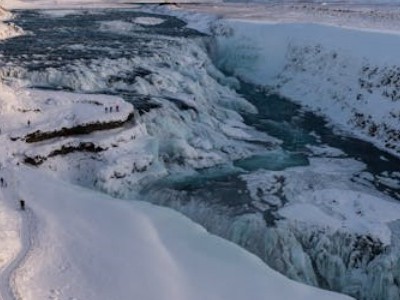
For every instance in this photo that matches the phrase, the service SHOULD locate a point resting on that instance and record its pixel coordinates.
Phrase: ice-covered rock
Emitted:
(194, 127)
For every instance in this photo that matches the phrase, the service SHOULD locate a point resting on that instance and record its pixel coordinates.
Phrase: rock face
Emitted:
(64, 150)
(39, 136)
(333, 71)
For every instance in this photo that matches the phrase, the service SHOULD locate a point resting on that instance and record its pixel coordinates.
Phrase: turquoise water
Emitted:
(287, 121)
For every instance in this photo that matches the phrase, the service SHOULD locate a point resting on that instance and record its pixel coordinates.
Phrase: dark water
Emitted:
(288, 122)
(50, 39)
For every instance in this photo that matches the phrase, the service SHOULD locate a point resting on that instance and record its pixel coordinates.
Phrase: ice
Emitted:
(119, 27)
(312, 223)
(328, 76)
(187, 111)
(325, 151)
(322, 203)
(319, 56)
(148, 21)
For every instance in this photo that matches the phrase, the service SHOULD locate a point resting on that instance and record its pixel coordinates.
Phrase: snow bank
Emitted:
(91, 246)
(148, 20)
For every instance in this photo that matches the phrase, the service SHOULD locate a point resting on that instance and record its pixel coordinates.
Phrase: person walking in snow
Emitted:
(110, 109)
(117, 108)
(29, 123)
(1, 181)
(22, 204)
(106, 109)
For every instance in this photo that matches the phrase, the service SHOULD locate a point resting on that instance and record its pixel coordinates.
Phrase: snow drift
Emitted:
(116, 249)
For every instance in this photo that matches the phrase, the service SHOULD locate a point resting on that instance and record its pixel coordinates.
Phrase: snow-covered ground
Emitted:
(330, 227)
(75, 243)
(88, 245)
(81, 244)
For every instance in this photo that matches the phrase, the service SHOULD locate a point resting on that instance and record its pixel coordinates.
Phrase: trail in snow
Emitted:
(8, 289)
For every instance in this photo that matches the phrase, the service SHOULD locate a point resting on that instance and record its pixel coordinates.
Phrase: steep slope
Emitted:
(335, 72)
(88, 245)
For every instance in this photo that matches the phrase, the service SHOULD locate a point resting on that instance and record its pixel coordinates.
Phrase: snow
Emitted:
(325, 151)
(8, 30)
(77, 4)
(328, 69)
(320, 209)
(320, 67)
(67, 110)
(319, 56)
(148, 21)
(119, 27)
(76, 243)
(322, 194)
(68, 259)
(81, 244)
(119, 249)
(9, 231)
(60, 4)
(186, 110)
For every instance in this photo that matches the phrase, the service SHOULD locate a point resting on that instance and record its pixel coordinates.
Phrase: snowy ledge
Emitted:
(71, 235)
(71, 114)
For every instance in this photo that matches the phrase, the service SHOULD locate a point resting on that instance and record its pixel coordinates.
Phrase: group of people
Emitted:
(110, 109)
